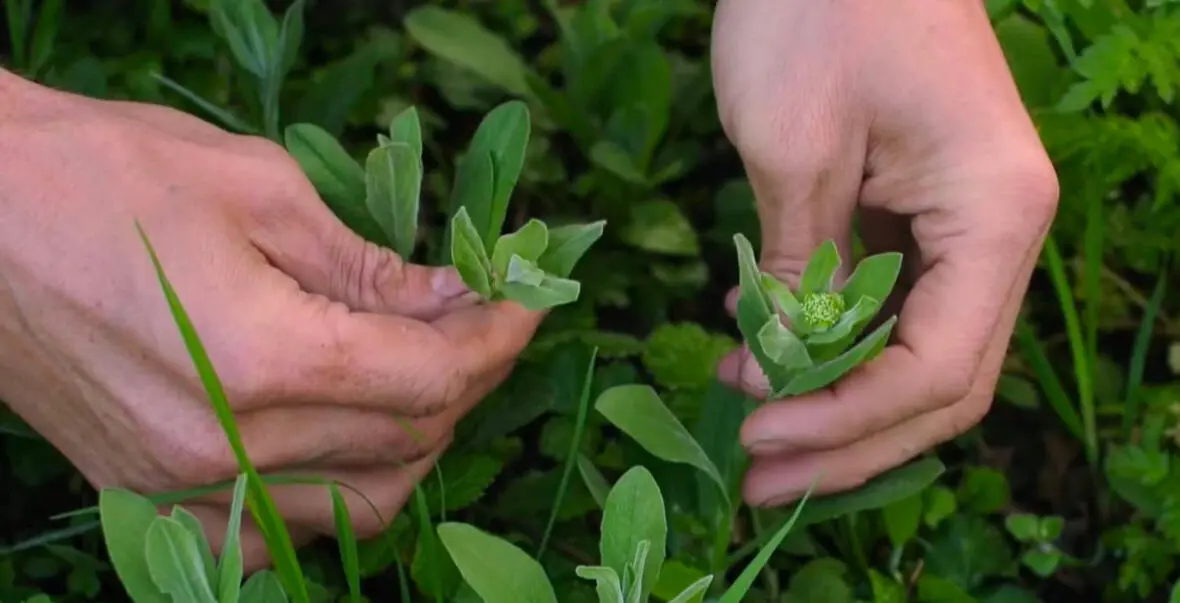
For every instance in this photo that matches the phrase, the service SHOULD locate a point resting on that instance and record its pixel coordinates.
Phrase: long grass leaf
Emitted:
(262, 506)
(575, 445)
(346, 538)
(1083, 370)
(1139, 351)
(737, 591)
(1034, 353)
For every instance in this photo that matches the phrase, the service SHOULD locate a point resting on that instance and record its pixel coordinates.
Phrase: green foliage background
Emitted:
(1069, 490)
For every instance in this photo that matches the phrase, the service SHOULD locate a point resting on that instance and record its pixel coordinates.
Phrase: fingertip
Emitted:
(731, 300)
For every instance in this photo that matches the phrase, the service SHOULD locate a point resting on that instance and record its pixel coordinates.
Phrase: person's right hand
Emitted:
(327, 346)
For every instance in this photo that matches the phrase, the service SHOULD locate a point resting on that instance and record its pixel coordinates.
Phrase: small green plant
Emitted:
(814, 351)
(1038, 533)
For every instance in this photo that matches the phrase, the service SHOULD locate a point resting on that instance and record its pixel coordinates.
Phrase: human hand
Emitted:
(327, 346)
(906, 113)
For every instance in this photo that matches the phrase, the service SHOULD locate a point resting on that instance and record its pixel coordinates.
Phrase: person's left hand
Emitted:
(905, 112)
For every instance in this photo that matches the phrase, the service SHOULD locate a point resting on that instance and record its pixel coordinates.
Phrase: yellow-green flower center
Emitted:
(822, 310)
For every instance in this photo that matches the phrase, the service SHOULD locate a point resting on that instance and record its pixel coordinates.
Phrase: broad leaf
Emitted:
(829, 372)
(473, 191)
(175, 564)
(393, 181)
(634, 513)
(873, 277)
(820, 270)
(660, 226)
(547, 292)
(504, 134)
(339, 179)
(463, 40)
(494, 568)
(469, 256)
(567, 244)
(529, 243)
(639, 412)
(126, 518)
(263, 587)
(249, 30)
(783, 347)
(194, 527)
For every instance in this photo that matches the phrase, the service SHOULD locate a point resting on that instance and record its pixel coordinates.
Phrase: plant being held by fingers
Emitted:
(380, 201)
(816, 349)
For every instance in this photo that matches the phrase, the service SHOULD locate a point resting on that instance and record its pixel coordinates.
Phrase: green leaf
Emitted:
(614, 159)
(461, 39)
(606, 582)
(230, 566)
(783, 347)
(660, 226)
(874, 277)
(393, 182)
(821, 269)
(567, 244)
(339, 179)
(504, 135)
(829, 372)
(1023, 526)
(174, 562)
(528, 286)
(331, 97)
(263, 587)
(634, 513)
(639, 412)
(126, 518)
(406, 128)
(496, 569)
(737, 591)
(984, 490)
(194, 527)
(594, 480)
(885, 489)
(250, 31)
(347, 541)
(529, 242)
(469, 255)
(227, 118)
(902, 518)
(781, 297)
(695, 591)
(754, 309)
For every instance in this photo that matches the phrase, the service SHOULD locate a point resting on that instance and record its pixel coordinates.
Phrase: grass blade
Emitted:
(228, 119)
(745, 580)
(347, 540)
(571, 458)
(1059, 399)
(1139, 351)
(1083, 369)
(262, 506)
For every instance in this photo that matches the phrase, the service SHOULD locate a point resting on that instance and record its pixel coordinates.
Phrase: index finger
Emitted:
(410, 367)
(969, 288)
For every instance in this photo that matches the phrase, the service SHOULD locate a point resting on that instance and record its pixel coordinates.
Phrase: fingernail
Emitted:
(447, 283)
(780, 500)
(767, 447)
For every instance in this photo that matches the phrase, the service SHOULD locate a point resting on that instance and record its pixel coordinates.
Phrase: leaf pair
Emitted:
(814, 351)
(167, 559)
(530, 266)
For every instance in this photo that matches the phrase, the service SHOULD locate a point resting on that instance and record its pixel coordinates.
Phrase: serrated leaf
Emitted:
(639, 412)
(174, 562)
(829, 372)
(469, 255)
(821, 269)
(466, 478)
(463, 40)
(529, 243)
(496, 569)
(634, 513)
(567, 244)
(393, 182)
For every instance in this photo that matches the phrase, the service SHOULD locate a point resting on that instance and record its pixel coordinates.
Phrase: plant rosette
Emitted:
(815, 348)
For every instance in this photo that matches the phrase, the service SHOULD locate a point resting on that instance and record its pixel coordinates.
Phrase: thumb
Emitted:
(325, 257)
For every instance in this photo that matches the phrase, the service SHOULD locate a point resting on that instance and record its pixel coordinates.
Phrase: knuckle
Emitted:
(953, 384)
(198, 457)
(369, 274)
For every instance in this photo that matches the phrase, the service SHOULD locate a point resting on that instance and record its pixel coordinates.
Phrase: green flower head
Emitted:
(822, 310)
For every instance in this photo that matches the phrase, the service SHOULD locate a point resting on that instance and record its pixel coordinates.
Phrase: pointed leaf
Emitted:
(606, 582)
(263, 587)
(528, 243)
(549, 293)
(406, 128)
(393, 181)
(639, 412)
(695, 591)
(473, 191)
(829, 372)
(595, 482)
(347, 541)
(463, 40)
(495, 569)
(469, 256)
(504, 134)
(634, 513)
(194, 527)
(782, 298)
(783, 348)
(754, 309)
(889, 487)
(875, 277)
(230, 567)
(741, 586)
(821, 268)
(175, 564)
(567, 245)
(126, 518)
(339, 179)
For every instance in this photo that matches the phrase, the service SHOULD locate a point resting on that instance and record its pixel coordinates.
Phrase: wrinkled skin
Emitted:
(328, 347)
(906, 113)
